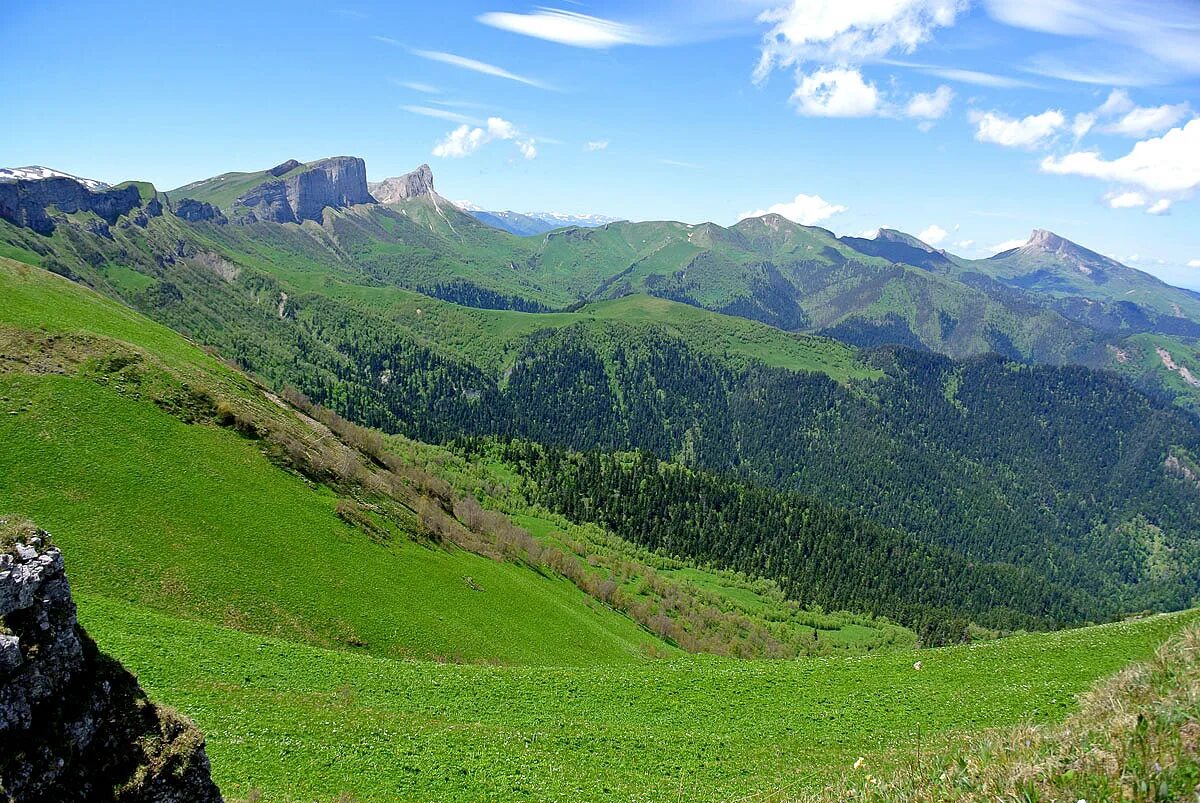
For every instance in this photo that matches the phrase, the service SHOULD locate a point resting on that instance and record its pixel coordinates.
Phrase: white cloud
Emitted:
(1169, 164)
(569, 28)
(596, 145)
(477, 66)
(678, 163)
(839, 32)
(416, 86)
(1126, 200)
(1140, 121)
(441, 114)
(1159, 207)
(1029, 132)
(930, 105)
(1118, 102)
(465, 140)
(933, 235)
(965, 244)
(835, 92)
(962, 76)
(1193, 263)
(1007, 245)
(807, 210)
(1082, 124)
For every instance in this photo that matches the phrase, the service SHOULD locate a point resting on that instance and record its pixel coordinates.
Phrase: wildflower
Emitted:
(917, 666)
(859, 764)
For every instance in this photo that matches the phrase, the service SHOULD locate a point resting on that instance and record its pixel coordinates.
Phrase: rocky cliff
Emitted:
(74, 724)
(26, 202)
(398, 188)
(338, 182)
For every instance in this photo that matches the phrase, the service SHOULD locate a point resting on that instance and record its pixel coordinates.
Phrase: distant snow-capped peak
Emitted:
(37, 172)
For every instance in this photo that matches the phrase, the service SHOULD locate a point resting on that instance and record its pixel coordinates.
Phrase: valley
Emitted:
(387, 500)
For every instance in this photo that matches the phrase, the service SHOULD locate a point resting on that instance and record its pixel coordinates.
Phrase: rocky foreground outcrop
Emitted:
(398, 188)
(74, 724)
(25, 201)
(338, 182)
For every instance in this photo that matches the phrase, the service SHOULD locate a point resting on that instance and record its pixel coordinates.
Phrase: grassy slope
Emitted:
(244, 542)
(1135, 737)
(302, 724)
(491, 338)
(222, 190)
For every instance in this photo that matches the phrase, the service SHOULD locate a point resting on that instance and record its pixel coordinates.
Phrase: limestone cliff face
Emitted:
(74, 725)
(198, 211)
(337, 182)
(25, 201)
(398, 188)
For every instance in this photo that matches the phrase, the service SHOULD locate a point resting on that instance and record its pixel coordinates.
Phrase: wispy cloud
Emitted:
(1167, 31)
(962, 76)
(569, 28)
(416, 86)
(596, 145)
(387, 40)
(678, 163)
(475, 65)
(440, 114)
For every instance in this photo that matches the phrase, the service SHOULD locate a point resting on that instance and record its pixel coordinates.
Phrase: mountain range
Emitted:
(1050, 300)
(292, 425)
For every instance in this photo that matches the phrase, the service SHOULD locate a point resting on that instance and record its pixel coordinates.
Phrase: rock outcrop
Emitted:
(195, 211)
(398, 188)
(25, 201)
(336, 182)
(74, 724)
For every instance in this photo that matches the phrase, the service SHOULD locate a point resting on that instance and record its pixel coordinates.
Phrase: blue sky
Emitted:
(968, 122)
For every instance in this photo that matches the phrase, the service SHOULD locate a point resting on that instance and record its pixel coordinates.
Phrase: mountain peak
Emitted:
(1047, 240)
(38, 173)
(410, 185)
(894, 236)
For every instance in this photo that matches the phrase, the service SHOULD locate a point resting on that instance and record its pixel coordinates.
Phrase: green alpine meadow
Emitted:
(782, 401)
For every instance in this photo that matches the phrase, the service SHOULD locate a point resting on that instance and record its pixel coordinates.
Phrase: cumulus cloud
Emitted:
(807, 210)
(838, 32)
(1159, 207)
(466, 140)
(1193, 263)
(933, 235)
(835, 92)
(1166, 165)
(1126, 200)
(930, 105)
(828, 41)
(569, 28)
(965, 244)
(1141, 121)
(1028, 132)
(596, 145)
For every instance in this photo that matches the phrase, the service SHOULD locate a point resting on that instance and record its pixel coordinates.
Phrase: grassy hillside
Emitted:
(298, 723)
(108, 425)
(1135, 737)
(491, 338)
